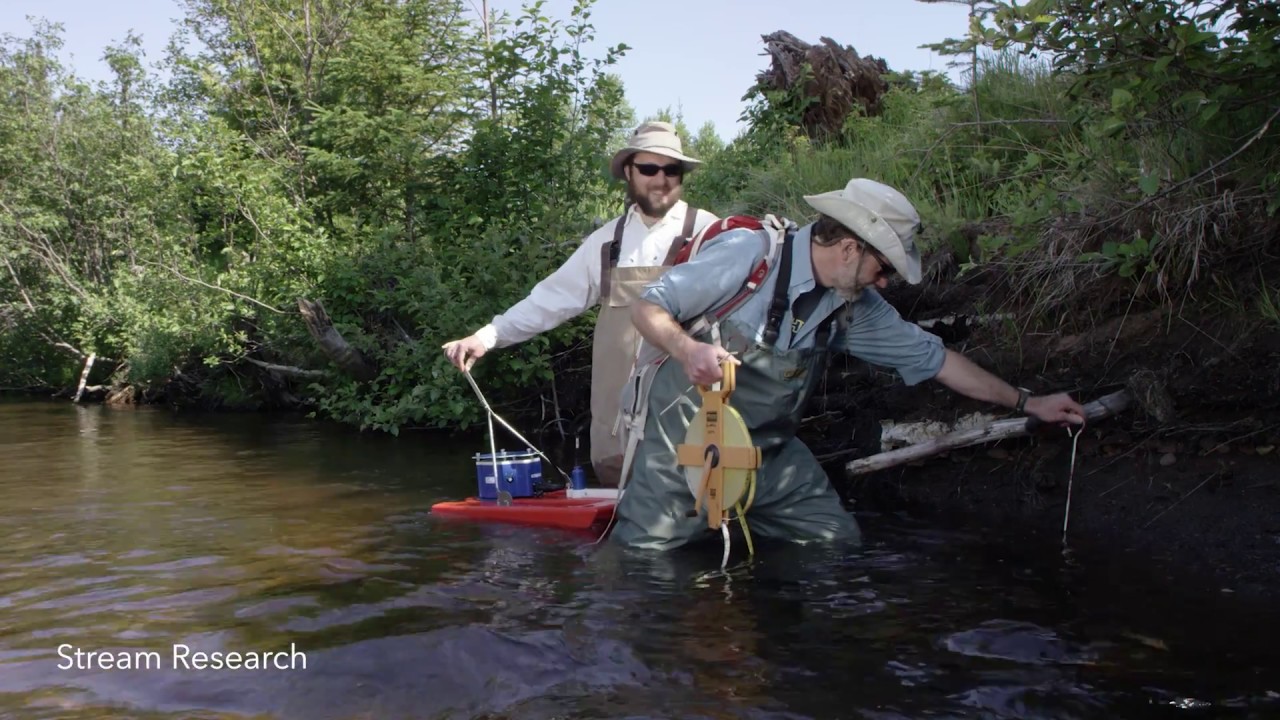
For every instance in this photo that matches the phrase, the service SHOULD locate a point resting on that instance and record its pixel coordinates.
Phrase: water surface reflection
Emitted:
(133, 531)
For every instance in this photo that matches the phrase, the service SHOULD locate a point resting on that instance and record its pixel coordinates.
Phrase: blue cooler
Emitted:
(518, 473)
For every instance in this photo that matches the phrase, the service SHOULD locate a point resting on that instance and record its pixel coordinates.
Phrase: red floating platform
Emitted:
(552, 510)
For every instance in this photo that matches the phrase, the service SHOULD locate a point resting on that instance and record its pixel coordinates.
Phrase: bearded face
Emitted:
(654, 183)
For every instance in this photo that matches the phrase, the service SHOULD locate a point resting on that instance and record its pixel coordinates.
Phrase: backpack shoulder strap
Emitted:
(777, 238)
(713, 230)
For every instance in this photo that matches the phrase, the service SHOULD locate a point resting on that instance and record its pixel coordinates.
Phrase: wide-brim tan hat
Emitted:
(655, 137)
(880, 215)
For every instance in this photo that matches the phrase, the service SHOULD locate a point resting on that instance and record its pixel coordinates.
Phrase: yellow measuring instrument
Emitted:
(719, 460)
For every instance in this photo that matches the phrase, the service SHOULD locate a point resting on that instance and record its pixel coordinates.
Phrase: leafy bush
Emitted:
(417, 175)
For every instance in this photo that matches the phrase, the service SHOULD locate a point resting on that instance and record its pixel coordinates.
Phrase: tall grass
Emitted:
(1026, 186)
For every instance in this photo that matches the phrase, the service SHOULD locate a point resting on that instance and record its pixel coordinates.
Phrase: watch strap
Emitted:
(1023, 396)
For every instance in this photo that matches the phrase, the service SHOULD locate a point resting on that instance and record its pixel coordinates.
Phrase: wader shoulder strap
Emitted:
(611, 250)
(839, 317)
(781, 292)
(633, 411)
(686, 235)
(609, 255)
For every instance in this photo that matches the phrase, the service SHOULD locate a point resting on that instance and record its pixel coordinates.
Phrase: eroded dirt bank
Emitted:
(1180, 488)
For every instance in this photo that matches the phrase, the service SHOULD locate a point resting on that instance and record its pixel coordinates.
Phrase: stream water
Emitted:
(161, 540)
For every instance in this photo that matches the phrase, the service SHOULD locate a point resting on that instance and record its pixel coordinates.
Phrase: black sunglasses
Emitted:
(651, 169)
(886, 268)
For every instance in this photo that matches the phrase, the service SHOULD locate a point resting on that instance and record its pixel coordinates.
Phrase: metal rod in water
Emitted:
(495, 416)
(493, 455)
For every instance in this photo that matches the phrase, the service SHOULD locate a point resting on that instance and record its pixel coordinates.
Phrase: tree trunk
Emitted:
(288, 370)
(349, 359)
(84, 376)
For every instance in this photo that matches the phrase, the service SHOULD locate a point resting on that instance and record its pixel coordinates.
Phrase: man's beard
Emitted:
(648, 208)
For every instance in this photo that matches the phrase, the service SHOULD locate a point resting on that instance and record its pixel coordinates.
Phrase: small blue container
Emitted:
(578, 478)
(518, 474)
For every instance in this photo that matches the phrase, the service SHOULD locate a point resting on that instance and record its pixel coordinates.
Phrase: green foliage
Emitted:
(174, 230)
(543, 156)
(84, 199)
(1126, 258)
(1164, 99)
(767, 170)
(1269, 303)
(776, 113)
(1191, 75)
(417, 175)
(511, 206)
(1075, 154)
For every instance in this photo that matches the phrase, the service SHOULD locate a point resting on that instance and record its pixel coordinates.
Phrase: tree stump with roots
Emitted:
(834, 76)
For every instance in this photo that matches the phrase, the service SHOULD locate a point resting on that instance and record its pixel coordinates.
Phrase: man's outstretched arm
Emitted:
(566, 293)
(962, 375)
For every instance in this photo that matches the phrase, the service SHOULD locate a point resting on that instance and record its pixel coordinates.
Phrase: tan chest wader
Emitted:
(793, 499)
(615, 342)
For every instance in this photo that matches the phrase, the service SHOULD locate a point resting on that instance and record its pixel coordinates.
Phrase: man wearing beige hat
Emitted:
(820, 297)
(610, 267)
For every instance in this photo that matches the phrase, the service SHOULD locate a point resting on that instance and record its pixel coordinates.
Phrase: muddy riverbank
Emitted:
(1183, 487)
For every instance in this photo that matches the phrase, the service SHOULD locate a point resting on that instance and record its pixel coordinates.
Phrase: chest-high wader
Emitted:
(791, 496)
(615, 342)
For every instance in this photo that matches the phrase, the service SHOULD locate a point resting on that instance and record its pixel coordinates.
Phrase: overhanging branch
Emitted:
(288, 370)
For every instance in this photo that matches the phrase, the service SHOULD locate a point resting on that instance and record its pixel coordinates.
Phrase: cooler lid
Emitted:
(507, 455)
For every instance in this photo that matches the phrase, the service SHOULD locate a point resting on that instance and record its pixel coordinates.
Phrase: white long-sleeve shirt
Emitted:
(575, 286)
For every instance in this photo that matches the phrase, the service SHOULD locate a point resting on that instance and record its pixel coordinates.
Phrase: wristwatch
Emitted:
(1023, 396)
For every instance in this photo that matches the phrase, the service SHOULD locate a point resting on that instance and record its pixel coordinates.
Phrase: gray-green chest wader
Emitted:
(615, 342)
(794, 499)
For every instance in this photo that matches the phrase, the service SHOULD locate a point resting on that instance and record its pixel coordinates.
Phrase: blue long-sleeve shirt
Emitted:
(876, 334)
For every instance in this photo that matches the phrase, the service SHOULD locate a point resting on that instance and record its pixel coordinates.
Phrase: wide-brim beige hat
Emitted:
(880, 215)
(655, 137)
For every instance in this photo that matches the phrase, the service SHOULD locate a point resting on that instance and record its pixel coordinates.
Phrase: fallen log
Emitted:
(1104, 406)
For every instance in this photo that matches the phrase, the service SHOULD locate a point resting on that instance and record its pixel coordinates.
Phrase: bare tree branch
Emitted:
(288, 369)
(233, 293)
(18, 284)
(349, 358)
(1256, 137)
(44, 249)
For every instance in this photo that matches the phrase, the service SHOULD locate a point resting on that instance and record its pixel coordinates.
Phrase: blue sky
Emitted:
(693, 56)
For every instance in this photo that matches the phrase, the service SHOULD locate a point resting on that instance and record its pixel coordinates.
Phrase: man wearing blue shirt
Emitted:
(820, 296)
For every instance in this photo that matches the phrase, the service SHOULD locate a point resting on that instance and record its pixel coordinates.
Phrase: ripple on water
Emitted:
(1020, 642)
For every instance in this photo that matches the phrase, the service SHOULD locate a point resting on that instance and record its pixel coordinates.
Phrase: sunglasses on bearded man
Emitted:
(651, 169)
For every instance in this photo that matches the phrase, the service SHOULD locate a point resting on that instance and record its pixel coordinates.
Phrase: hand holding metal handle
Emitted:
(728, 378)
